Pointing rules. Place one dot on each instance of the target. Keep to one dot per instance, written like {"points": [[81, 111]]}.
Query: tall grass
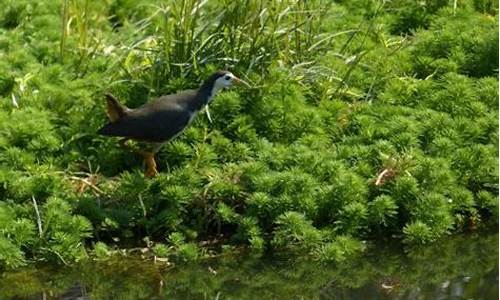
{"points": [[177, 42], [186, 38], [75, 12]]}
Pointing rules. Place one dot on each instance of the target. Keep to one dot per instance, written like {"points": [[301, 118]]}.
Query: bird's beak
{"points": [[241, 82]]}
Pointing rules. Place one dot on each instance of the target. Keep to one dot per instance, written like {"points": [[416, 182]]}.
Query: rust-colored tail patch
{"points": [[114, 109]]}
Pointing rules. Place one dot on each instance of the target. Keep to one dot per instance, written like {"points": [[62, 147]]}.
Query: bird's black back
{"points": [[163, 118], [157, 121]]}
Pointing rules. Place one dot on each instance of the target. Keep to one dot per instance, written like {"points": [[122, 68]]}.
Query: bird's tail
{"points": [[114, 109]]}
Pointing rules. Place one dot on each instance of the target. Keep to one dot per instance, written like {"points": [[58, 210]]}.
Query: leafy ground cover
{"points": [[367, 120]]}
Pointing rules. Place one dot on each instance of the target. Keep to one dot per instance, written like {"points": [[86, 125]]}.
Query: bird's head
{"points": [[217, 81], [224, 79]]}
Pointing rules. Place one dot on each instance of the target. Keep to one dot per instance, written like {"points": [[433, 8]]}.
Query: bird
{"points": [[161, 120]]}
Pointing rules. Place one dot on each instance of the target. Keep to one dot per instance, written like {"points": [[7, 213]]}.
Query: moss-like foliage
{"points": [[366, 120]]}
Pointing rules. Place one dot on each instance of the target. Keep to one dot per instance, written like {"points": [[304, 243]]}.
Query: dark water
{"points": [[464, 267]]}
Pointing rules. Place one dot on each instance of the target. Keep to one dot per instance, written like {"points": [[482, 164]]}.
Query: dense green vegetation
{"points": [[367, 119]]}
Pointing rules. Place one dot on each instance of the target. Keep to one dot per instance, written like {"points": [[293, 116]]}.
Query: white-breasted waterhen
{"points": [[159, 121]]}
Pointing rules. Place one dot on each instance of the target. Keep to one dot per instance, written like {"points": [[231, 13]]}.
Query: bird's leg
{"points": [[148, 156], [156, 148], [149, 159]]}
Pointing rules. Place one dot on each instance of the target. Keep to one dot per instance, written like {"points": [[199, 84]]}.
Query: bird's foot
{"points": [[150, 173]]}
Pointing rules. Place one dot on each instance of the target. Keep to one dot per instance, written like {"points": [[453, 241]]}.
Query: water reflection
{"points": [[457, 288], [459, 268]]}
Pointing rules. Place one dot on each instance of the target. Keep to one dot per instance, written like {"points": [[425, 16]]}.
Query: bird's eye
{"points": [[227, 77]]}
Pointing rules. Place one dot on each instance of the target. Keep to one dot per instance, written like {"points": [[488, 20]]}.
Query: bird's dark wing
{"points": [[156, 121]]}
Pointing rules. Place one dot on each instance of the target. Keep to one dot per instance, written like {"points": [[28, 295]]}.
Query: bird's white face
{"points": [[224, 81]]}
